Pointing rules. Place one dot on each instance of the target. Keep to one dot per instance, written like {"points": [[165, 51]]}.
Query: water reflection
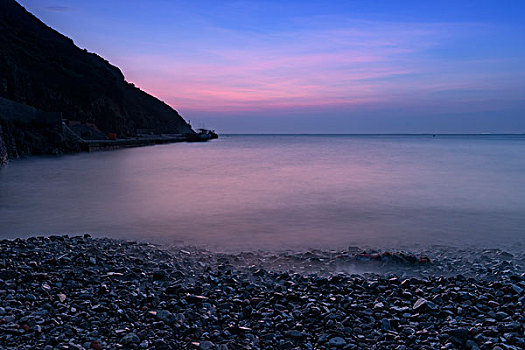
{"points": [[278, 191]]}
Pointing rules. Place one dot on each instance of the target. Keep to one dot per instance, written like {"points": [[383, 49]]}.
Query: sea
{"points": [[279, 192]]}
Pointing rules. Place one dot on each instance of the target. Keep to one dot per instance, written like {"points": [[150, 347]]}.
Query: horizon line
{"points": [[378, 134]]}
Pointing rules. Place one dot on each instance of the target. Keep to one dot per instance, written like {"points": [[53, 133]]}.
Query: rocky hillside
{"points": [[44, 69], [3, 148], [25, 130]]}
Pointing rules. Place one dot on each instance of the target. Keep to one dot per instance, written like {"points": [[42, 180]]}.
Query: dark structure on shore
{"points": [[43, 71]]}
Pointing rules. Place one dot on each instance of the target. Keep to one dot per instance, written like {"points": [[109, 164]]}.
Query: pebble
{"points": [[206, 345], [95, 345], [164, 316], [337, 341], [131, 338], [385, 324]]}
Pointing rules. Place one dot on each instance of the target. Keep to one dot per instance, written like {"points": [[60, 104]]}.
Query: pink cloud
{"points": [[317, 68]]}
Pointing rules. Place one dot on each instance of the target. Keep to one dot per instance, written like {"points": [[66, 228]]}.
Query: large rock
{"points": [[19, 138]]}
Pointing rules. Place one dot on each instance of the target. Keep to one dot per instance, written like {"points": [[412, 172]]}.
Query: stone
{"points": [[159, 275], [337, 341], [130, 338], [501, 315], [206, 345], [471, 345], [294, 334], [516, 289], [461, 333], [95, 345], [419, 303], [164, 315]]}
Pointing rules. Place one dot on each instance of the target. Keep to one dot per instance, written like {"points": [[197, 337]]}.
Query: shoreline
{"points": [[61, 292], [11, 148]]}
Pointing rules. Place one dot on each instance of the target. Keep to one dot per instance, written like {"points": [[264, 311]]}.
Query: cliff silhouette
{"points": [[44, 69]]}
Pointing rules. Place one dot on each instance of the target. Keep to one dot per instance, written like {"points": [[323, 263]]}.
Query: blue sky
{"points": [[314, 66]]}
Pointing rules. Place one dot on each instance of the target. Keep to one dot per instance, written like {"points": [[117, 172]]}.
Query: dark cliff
{"points": [[3, 148], [42, 68], [25, 130]]}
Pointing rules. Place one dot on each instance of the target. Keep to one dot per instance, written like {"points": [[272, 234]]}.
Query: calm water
{"points": [[279, 192]]}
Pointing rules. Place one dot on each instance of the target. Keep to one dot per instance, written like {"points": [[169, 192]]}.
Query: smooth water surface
{"points": [[278, 191]]}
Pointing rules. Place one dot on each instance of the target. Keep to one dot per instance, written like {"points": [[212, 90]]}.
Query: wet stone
{"points": [[385, 324], [131, 338], [206, 345], [461, 333], [337, 341], [295, 334], [164, 316], [517, 289]]}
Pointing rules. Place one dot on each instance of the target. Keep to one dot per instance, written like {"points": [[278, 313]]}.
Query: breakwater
{"points": [[108, 145]]}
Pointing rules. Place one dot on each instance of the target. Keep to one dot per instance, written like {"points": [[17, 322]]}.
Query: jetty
{"points": [[91, 139], [108, 145]]}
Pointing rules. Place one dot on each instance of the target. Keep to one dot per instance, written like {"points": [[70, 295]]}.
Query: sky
{"points": [[330, 66]]}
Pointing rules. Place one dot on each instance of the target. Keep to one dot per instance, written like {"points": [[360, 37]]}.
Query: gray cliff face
{"points": [[27, 130], [40, 67], [3, 149]]}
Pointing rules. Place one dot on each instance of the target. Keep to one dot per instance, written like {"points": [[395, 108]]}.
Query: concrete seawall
{"points": [[108, 145]]}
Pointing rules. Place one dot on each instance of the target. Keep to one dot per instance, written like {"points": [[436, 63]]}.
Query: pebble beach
{"points": [[62, 292]]}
